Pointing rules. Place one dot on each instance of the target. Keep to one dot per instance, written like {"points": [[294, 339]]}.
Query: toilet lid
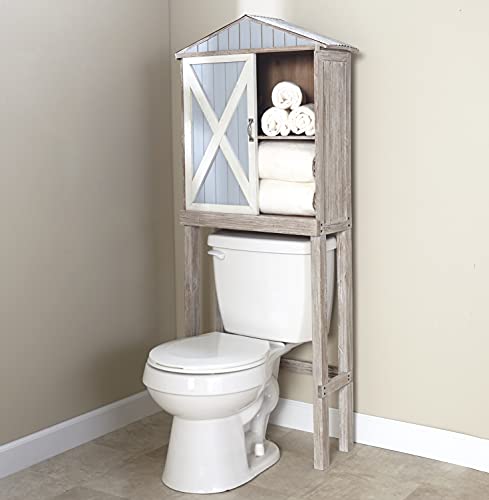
{"points": [[214, 352]]}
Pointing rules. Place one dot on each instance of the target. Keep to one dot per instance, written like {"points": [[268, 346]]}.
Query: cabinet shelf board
{"points": [[281, 224], [286, 138]]}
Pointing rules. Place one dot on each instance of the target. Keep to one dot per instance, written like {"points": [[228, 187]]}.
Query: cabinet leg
{"points": [[191, 281], [345, 335], [319, 351]]}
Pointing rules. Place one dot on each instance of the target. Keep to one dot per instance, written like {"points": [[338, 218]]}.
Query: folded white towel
{"points": [[291, 161], [302, 120], [275, 121], [286, 198], [286, 95]]}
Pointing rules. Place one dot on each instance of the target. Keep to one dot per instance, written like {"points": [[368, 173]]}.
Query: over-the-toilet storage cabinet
{"points": [[227, 80]]}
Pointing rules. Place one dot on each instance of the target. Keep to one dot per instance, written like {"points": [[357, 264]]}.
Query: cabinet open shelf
{"points": [[286, 138], [263, 223]]}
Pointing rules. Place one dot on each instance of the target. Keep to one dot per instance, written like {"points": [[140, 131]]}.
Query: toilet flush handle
{"points": [[217, 253]]}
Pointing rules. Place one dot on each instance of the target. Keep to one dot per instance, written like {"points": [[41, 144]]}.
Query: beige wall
{"points": [[421, 173], [85, 190]]}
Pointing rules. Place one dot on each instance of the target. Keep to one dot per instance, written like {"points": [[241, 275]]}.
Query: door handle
{"points": [[250, 130]]}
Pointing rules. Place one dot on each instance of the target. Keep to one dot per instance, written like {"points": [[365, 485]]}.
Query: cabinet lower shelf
{"points": [[280, 224], [286, 138]]}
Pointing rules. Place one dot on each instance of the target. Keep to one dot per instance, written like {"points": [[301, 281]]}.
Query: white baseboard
{"points": [[445, 446], [419, 440], [54, 440]]}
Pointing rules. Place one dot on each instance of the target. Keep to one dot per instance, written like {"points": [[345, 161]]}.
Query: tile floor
{"points": [[127, 464]]}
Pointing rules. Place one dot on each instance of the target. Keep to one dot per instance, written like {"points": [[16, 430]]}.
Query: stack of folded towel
{"points": [[287, 115], [286, 172]]}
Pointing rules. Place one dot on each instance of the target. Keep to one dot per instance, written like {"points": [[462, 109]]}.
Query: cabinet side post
{"points": [[332, 87], [345, 335], [192, 281], [319, 351]]}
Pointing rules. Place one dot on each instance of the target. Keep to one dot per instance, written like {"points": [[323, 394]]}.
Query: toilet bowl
{"points": [[221, 387]]}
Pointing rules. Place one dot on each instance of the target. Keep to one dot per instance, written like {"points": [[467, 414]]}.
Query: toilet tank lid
{"points": [[265, 242]]}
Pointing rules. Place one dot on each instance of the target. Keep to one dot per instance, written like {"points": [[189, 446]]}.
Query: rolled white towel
{"points": [[274, 121], [303, 120], [286, 95], [286, 198], [291, 161]]}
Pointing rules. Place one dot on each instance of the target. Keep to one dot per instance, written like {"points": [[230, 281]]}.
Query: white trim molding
{"points": [[419, 440], [34, 448]]}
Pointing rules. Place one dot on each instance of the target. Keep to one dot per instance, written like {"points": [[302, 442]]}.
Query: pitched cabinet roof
{"points": [[258, 32]]}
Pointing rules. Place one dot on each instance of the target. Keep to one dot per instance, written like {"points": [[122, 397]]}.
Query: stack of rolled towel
{"points": [[286, 171], [287, 114]]}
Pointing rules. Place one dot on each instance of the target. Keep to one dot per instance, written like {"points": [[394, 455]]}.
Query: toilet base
{"points": [[211, 456]]}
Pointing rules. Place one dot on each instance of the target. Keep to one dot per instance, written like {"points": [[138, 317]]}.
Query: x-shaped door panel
{"points": [[195, 94]]}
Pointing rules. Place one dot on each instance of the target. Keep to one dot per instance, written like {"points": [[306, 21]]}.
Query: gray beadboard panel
{"points": [[244, 34], [234, 36], [197, 134], [278, 38], [219, 106], [242, 152], [290, 40], [278, 33], [304, 42], [212, 44], [218, 81], [223, 40], [250, 34], [267, 36], [208, 87], [255, 34], [232, 72]]}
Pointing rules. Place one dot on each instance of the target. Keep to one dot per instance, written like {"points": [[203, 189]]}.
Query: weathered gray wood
{"points": [[248, 51], [306, 226], [286, 138], [304, 367], [319, 196], [338, 382], [334, 228], [319, 350], [345, 334], [332, 89], [191, 277]]}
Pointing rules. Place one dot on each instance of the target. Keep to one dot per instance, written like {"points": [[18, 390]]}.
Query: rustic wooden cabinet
{"points": [[227, 79]]}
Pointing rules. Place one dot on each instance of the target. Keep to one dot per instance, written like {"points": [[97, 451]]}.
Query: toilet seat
{"points": [[211, 353]]}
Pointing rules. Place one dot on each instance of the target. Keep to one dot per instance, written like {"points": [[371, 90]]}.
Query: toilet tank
{"points": [[263, 284]]}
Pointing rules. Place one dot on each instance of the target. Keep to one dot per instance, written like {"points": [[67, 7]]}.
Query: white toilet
{"points": [[222, 387]]}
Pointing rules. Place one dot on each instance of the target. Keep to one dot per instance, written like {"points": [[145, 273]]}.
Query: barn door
{"points": [[220, 133]]}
